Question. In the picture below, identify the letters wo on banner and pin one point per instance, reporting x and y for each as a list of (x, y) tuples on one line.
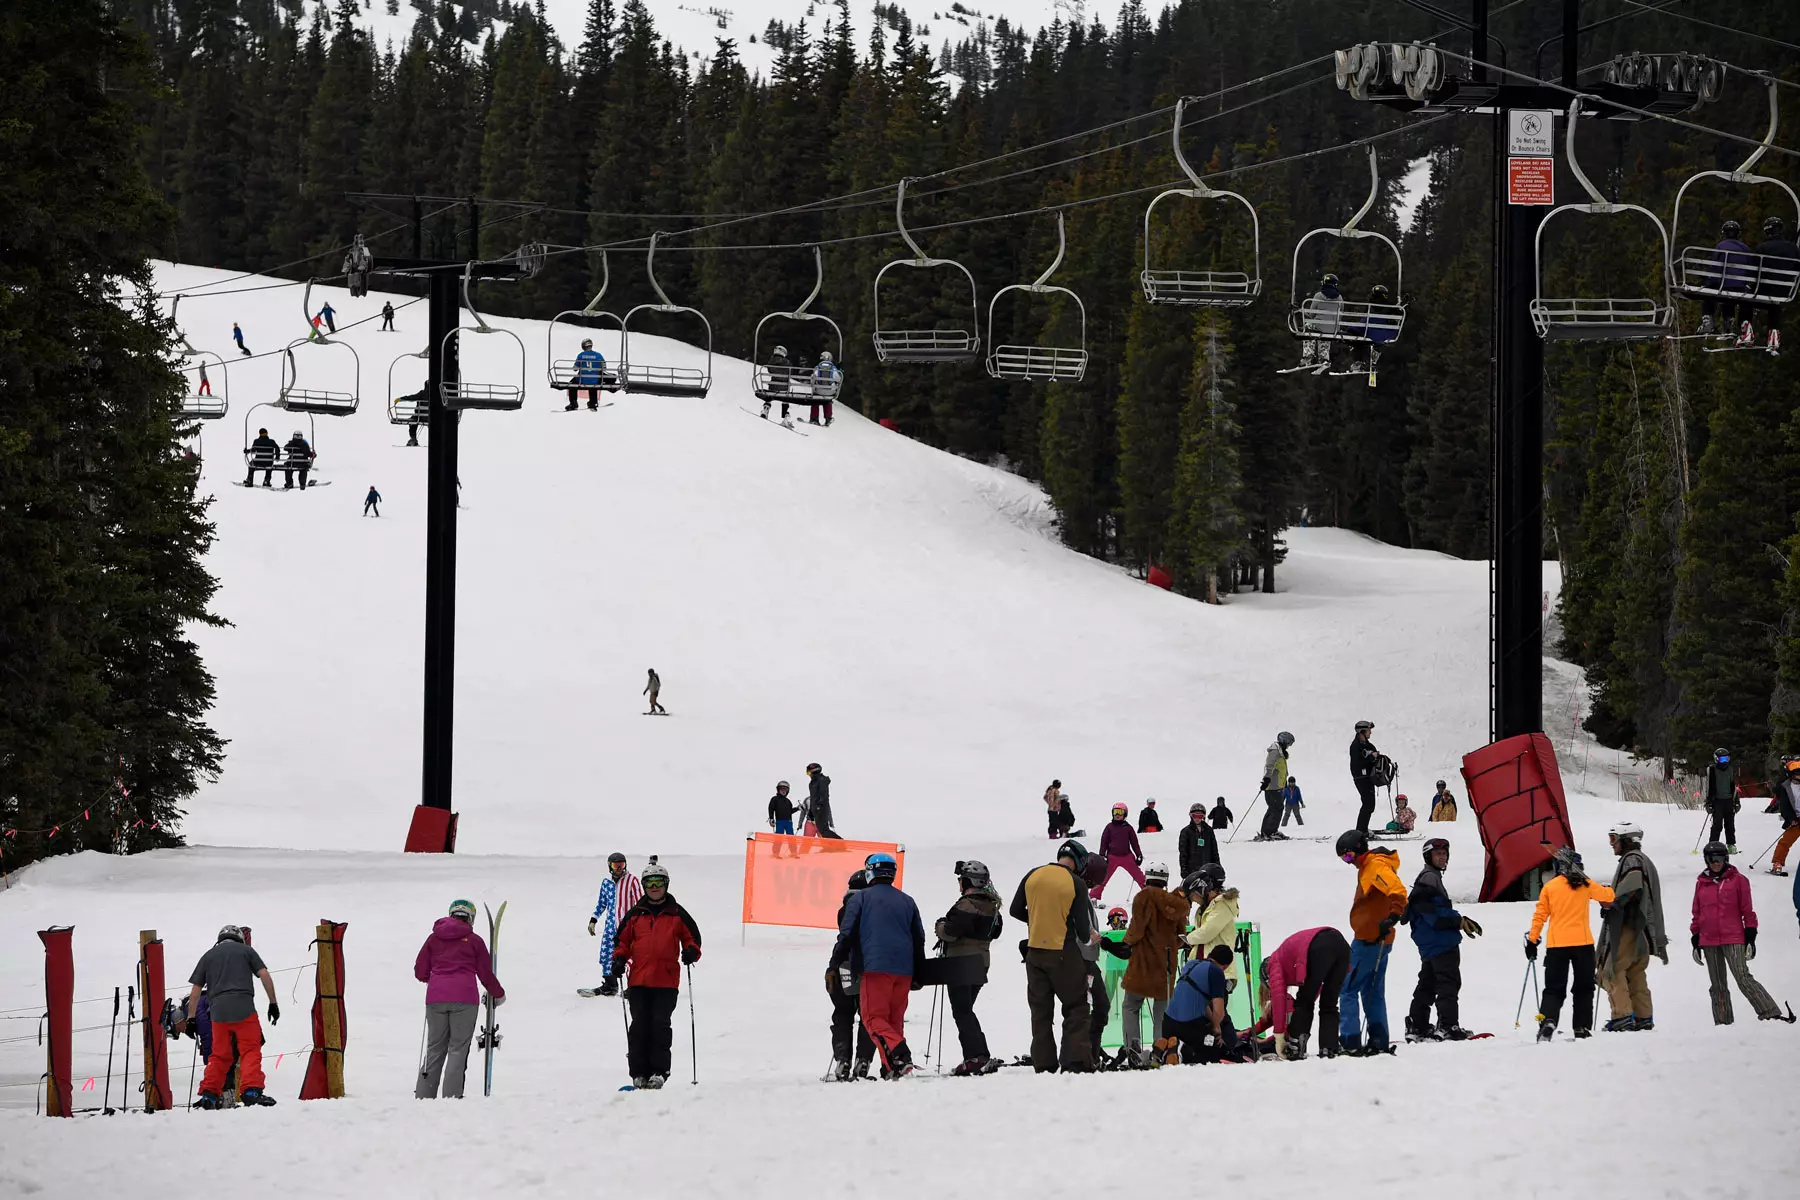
[(800, 880)]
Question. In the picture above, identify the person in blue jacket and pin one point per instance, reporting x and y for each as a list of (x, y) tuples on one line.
[(883, 939), (1292, 802), (1437, 930), (330, 315), (590, 373), (1196, 1027)]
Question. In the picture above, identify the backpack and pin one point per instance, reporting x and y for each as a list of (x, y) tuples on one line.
[(1385, 771)]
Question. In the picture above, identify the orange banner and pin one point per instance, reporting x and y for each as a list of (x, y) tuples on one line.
[(801, 880)]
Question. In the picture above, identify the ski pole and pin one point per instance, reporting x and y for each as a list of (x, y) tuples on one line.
[(1248, 806), (193, 1071), (424, 1027), (1766, 849), (1704, 821), (111, 1035), (1524, 979), (931, 1023), (693, 1047)]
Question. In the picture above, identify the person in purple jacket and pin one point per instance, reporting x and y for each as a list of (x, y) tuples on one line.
[(1119, 847), (450, 963)]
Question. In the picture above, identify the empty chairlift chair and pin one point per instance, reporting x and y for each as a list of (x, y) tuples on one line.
[(1368, 324), (565, 372), (933, 345), (461, 393), (1048, 363), (1202, 289), (786, 382), (1599, 318), (313, 397), (656, 379)]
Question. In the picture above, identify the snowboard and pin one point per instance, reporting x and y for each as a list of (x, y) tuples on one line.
[(656, 714), (490, 1031), (590, 993), (789, 425), (597, 408)]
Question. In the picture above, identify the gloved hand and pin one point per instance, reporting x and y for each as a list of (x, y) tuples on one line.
[(1531, 948), (690, 955), (1698, 961), (1116, 949), (1750, 942), (274, 1013), (1387, 925), (1470, 927), (1264, 785), (591, 921), (830, 978)]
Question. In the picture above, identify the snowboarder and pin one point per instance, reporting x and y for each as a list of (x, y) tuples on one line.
[(1778, 253), (329, 314), (619, 893), (449, 964), (1735, 274), (1563, 904), (1216, 918), (1053, 808), (1722, 798), (1274, 780), (1322, 312), (1148, 947), (781, 812), (387, 316), (966, 931), (1198, 843), (1723, 931), (1292, 802), (883, 940), (1443, 804), (826, 379), (843, 987), (1786, 788), (1195, 1028), (1119, 847), (372, 501), (653, 688), (1631, 931), (1059, 922), (1148, 821), (237, 335), (1363, 758), (261, 457), (818, 802), (227, 974), (590, 372), (1379, 904), (657, 939), (299, 458), (1437, 930), (1220, 816), (779, 373), (1316, 961)]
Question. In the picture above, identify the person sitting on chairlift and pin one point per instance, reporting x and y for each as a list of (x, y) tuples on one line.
[(826, 378), (779, 370), (590, 372), (1322, 312), (1778, 254), (299, 458), (1736, 274)]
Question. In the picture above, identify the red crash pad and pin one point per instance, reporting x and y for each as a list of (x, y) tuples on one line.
[(1515, 789)]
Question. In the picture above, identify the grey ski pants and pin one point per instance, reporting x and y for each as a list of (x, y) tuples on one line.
[(1719, 959), (448, 1031), (1132, 1006)]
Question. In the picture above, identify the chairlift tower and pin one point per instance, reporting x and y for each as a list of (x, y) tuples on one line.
[(1419, 78)]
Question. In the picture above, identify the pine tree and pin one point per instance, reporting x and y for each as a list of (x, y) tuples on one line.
[(1207, 526)]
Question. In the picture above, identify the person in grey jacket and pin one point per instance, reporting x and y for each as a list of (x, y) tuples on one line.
[(1274, 779), (1631, 931), (966, 931)]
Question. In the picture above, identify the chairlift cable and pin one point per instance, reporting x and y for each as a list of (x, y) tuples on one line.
[(1646, 10)]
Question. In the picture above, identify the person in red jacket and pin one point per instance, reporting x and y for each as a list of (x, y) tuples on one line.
[(657, 939), (1724, 935)]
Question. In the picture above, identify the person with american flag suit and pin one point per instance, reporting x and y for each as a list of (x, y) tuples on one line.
[(619, 891)]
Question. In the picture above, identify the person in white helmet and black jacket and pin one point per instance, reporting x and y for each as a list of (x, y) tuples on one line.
[(1631, 931)]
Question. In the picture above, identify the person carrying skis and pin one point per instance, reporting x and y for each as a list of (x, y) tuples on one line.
[(1780, 260), (1220, 817), (1292, 802), (387, 316), (619, 893), (330, 316), (1316, 961), (1198, 843), (1196, 1028), (372, 501), (1148, 948), (1274, 780), (227, 974), (261, 457), (843, 986), (1363, 758), (1119, 847), (1053, 808), (1379, 905), (1059, 922), (1723, 932), (1443, 804), (1563, 905), (449, 964), (1786, 789), (1321, 313), (299, 458), (781, 812), (883, 940), (1735, 274), (1437, 930), (657, 939), (1216, 918), (590, 373), (237, 335), (818, 802), (1722, 798), (826, 379), (1631, 931), (1148, 821), (653, 689), (966, 931)]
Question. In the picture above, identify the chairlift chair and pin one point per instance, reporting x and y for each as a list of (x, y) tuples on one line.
[(1050, 363), (415, 408), (932, 345), (281, 463), (791, 383), (652, 379), (213, 403), (462, 393), (1357, 321), (329, 402), (1701, 272), (562, 371), (1208, 289), (1598, 318)]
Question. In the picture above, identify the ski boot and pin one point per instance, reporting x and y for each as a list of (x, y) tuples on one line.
[(1620, 1024), (609, 988), (1422, 1033), (861, 1070), (209, 1101), (1781, 871), (656, 1081), (571, 406), (765, 412), (1773, 344), (593, 406), (812, 420), (256, 1096), (1168, 1051), (1643, 1024), (1546, 1029), (828, 420), (1583, 1033), (1454, 1033), (839, 1072), (640, 1082)]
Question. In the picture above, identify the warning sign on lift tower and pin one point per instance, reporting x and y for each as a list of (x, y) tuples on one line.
[(1531, 181), (1530, 132)]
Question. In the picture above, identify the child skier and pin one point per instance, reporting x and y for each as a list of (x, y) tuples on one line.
[(1404, 816), (450, 963), (619, 893), (1148, 821), (1437, 930), (227, 974), (1563, 904), (1292, 802), (843, 986), (1220, 816), (883, 939), (1119, 847), (966, 931), (1379, 904), (781, 812), (1724, 936), (372, 501), (1443, 804), (657, 939)]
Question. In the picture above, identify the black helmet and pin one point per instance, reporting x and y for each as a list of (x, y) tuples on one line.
[(811, 767), (1716, 850), (973, 874), (858, 881), (1773, 227), (1210, 876), (1432, 846), (1440, 785), (1721, 755), (1352, 842), (1364, 725), (1568, 862), (1284, 739), (1379, 293), (1731, 229), (1328, 280), (614, 857), (1075, 850)]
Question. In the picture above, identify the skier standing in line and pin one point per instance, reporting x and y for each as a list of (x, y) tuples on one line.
[(1149, 945), (883, 940), (653, 689), (1292, 802), (966, 931), (449, 964), (227, 974), (1119, 847), (1316, 961), (263, 453), (1722, 798), (1723, 930), (1148, 821), (1379, 905), (1563, 904), (1198, 843), (1786, 788), (818, 802), (372, 501), (1059, 922), (1220, 817), (1363, 757), (1437, 930), (843, 986), (1274, 781), (237, 335), (1631, 931), (657, 939), (619, 893), (387, 316), (1053, 806)]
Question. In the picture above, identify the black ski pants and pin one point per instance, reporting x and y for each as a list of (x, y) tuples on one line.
[(843, 1017), (1440, 980), (968, 1026), (1055, 977), (1559, 963), (1327, 965), (1365, 789), (1271, 822), (651, 1035), (1724, 813)]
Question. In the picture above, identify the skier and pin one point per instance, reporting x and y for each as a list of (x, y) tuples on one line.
[(1148, 821), (1215, 922), (1738, 275), (590, 372), (1274, 780), (1778, 254), (653, 689), (1631, 930), (372, 501), (1195, 1028), (619, 893), (657, 939), (1220, 816), (1322, 312), (1059, 922), (227, 974), (843, 986), (826, 379), (237, 335), (966, 931), (1443, 804), (1563, 903), (1148, 947), (779, 371), (818, 802), (1379, 904), (1723, 930), (1786, 788), (883, 940), (1404, 816), (1292, 802), (781, 812), (299, 458), (1316, 961), (1053, 808), (1198, 844), (387, 316), (449, 964), (261, 457), (330, 316), (1437, 930), (1722, 798), (1119, 847), (1363, 757)]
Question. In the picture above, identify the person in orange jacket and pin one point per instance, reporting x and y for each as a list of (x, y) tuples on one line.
[(1380, 904), (1563, 904)]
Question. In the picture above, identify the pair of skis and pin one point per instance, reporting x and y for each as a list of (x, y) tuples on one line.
[(490, 1029)]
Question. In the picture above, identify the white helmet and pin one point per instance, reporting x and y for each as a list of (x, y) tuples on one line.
[(1627, 830), (587, 343), (1155, 872), (780, 352), (824, 356), (298, 434)]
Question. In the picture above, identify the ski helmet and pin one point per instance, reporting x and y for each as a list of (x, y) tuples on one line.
[(781, 352), (1119, 810), (1284, 739), (973, 874), (1207, 877), (1364, 726), (1772, 227), (1352, 843), (464, 909), (298, 434), (1197, 808), (811, 767), (1440, 785), (1626, 831), (1150, 802), (614, 857), (1156, 874), (234, 934), (1432, 846), (1716, 852), (1731, 229), (1721, 756), (881, 865), (654, 872), (1075, 850), (781, 785), (824, 356), (1379, 294), (1117, 914), (1328, 280), (587, 343), (858, 881), (1263, 970)]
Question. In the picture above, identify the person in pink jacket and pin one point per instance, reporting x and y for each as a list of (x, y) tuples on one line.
[(1119, 847), (1724, 935), (1315, 961), (450, 964)]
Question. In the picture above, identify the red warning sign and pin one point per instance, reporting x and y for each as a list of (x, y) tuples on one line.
[(1531, 181)]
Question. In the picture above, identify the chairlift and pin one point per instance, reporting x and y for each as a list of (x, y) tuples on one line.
[(280, 462), (414, 408), (358, 263), (462, 393), (1208, 289), (1598, 318), (562, 372), (1051, 363), (1701, 272), (655, 380), (204, 398), (324, 401), (792, 383), (1357, 321), (932, 345)]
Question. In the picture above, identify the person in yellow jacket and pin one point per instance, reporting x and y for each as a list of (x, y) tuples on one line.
[(1215, 924), (1380, 904), (1563, 905)]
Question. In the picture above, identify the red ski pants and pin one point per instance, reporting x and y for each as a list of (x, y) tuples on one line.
[(883, 1004), (1119, 862), (235, 1041)]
